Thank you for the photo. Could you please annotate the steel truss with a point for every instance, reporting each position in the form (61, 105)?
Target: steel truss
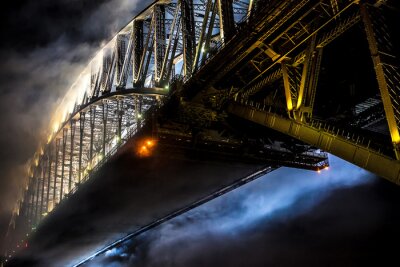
(290, 52)
(127, 76)
(202, 43)
(107, 104)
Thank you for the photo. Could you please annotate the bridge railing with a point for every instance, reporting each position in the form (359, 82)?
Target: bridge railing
(348, 134)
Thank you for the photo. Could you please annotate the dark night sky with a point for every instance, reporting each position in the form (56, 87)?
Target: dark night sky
(278, 222)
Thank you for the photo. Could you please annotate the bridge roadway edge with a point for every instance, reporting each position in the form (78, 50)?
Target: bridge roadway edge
(361, 156)
(126, 194)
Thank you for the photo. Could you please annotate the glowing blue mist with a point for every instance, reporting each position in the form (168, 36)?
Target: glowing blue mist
(244, 208)
(261, 199)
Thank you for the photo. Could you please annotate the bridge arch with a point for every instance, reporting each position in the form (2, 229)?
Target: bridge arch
(230, 57)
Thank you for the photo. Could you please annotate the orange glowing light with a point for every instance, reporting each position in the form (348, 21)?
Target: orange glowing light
(145, 148)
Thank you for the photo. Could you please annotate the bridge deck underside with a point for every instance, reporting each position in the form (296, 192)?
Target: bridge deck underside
(128, 193)
(352, 151)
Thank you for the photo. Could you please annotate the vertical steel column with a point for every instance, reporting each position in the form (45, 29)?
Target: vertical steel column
(120, 113)
(92, 119)
(122, 79)
(306, 72)
(104, 117)
(81, 134)
(147, 54)
(143, 66)
(226, 20)
(43, 175)
(250, 8)
(58, 144)
(25, 209)
(209, 33)
(159, 42)
(26, 200)
(171, 67)
(36, 196)
(107, 61)
(200, 49)
(64, 145)
(137, 50)
(112, 70)
(188, 35)
(138, 112)
(49, 154)
(120, 54)
(31, 200)
(95, 80)
(71, 152)
(37, 174)
(387, 93)
(172, 39)
(287, 87)
(313, 82)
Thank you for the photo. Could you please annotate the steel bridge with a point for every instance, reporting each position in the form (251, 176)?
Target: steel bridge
(277, 82)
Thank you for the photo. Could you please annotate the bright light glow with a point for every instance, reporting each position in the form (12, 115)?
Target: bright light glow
(145, 147)
(55, 127)
(51, 206)
(149, 143)
(139, 116)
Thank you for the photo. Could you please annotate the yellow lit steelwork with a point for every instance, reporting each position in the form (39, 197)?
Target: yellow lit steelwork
(55, 127)
(358, 154)
(286, 83)
(108, 103)
(383, 85)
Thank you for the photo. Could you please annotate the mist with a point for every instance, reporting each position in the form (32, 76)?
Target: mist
(283, 213)
(48, 44)
(313, 218)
